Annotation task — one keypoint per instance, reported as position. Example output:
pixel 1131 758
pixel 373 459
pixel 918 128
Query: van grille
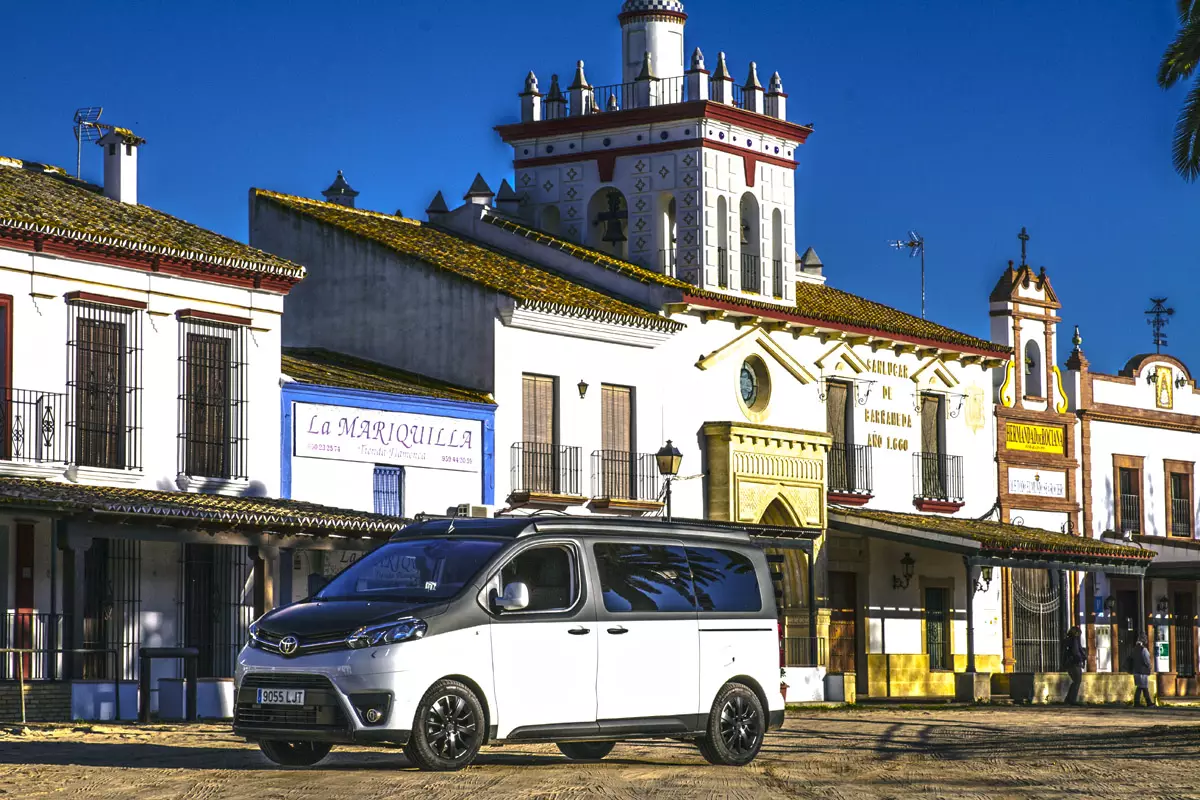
pixel 320 710
pixel 275 680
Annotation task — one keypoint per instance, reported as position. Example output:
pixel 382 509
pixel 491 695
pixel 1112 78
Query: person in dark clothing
pixel 1075 659
pixel 1141 672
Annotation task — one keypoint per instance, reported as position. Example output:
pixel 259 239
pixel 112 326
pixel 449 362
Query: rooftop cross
pixel 1024 237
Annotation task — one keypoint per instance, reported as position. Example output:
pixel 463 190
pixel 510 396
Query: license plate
pixel 281 697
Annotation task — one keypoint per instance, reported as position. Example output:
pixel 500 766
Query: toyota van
pixel 580 631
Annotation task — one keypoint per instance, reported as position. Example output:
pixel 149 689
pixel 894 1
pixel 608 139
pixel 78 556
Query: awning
pixel 212 512
pixel 997 544
pixel 1177 559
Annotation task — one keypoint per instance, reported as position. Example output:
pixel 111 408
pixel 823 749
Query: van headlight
pixel 253 631
pixel 388 633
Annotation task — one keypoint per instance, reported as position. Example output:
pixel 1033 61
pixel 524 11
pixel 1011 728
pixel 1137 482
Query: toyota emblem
pixel 288 645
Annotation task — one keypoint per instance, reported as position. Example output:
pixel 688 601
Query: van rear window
pixel 644 578
pixel 724 580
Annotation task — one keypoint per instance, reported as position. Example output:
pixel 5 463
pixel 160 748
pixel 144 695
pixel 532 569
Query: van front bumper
pixel 254 733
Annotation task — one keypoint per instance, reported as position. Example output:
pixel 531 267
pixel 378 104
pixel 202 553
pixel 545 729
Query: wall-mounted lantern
pixel 583 387
pixel 906 565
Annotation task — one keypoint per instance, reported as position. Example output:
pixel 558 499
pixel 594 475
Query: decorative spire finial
pixel 776 84
pixel 647 73
pixel 752 80
pixel 697 59
pixel 531 83
pixel 1077 340
pixel 722 72
pixel 580 81
pixel 1024 237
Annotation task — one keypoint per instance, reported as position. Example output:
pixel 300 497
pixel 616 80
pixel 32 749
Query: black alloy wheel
pixel 448 730
pixel 295 754
pixel 736 724
pixel 586 751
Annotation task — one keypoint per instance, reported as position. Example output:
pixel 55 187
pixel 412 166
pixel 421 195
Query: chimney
pixel 339 192
pixel 810 263
pixel 437 208
pixel 480 193
pixel 120 164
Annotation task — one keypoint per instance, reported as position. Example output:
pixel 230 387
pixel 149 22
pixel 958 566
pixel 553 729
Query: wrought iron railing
pixel 1181 517
pixel 624 96
pixel 804 651
pixel 722 268
pixel 619 475
pixel 1185 645
pixel 1130 506
pixel 542 468
pixel 937 476
pixel 850 469
pixel 41 636
pixel 777 278
pixel 739 96
pixel 751 273
pixel 33 426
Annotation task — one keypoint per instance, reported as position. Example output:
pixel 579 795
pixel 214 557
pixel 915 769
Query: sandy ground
pixel 870 753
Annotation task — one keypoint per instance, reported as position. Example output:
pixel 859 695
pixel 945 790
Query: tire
pixel 448 729
pixel 735 729
pixel 295 754
pixel 586 751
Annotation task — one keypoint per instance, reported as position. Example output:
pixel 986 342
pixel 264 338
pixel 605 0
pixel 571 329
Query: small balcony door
pixel 616 441
pixel 932 435
pixel 539 417
pixel 838 422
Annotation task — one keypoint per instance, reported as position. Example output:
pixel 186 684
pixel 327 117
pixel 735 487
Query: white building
pixel 140 415
pixel 782 393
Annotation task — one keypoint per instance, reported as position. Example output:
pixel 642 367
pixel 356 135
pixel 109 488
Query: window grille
pixel 112 591
pixel 104 354
pixel 212 400
pixel 215 604
pixel 389 491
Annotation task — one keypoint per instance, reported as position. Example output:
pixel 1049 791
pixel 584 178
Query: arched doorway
pixel 793 605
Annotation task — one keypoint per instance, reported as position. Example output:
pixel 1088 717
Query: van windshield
pixel 420 570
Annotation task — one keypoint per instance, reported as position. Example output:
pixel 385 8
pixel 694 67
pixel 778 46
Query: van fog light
pixel 372 707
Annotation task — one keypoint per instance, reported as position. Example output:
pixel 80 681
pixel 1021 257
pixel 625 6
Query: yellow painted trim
pixel 1061 406
pixel 764 341
pixel 842 351
pixel 1005 399
pixel 939 369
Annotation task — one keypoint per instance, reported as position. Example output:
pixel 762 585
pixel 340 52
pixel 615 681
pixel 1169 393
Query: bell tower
pixel 681 171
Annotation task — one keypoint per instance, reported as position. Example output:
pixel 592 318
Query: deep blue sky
pixel 962 120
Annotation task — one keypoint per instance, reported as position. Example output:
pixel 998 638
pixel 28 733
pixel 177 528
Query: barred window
pixel 389 491
pixel 212 399
pixel 104 346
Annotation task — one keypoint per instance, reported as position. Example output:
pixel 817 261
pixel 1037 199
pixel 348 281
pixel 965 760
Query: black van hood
pixel 340 617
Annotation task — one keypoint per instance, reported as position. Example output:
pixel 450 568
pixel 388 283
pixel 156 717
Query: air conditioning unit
pixel 471 511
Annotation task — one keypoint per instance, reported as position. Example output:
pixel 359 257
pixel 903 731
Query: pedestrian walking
pixel 1141 672
pixel 1075 658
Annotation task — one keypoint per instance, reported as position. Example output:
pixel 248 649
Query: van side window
pixel 724 580
pixel 549 572
pixel 639 577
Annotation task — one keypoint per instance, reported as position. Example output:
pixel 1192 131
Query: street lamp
pixel 669 458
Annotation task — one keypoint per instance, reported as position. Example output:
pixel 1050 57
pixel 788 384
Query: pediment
pixel 934 374
pixel 757 339
pixel 841 358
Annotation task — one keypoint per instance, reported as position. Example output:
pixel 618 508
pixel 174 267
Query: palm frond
pixel 1188 9
pixel 1182 55
pixel 1186 149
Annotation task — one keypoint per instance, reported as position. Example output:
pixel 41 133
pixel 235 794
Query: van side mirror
pixel 515 598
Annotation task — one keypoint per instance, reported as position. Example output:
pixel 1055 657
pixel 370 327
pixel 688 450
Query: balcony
pixel 777 279
pixel 722 268
pixel 33 427
pixel 1129 507
pixel 850 474
pixel 752 273
pixel 623 481
pixel 544 474
pixel 1181 517
pixel 937 482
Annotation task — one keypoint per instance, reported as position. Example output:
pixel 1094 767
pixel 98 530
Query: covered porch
pixel 937 606
pixel 89 575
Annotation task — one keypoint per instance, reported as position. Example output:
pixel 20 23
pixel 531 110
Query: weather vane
pixel 915 246
pixel 1159 316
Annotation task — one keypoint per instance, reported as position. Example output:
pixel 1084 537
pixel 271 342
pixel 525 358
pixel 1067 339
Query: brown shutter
pixel 537 401
pixel 616 441
pixel 835 411
pixel 930 419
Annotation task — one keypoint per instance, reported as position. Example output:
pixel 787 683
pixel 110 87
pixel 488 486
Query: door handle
pixel 579 631
pixel 618 631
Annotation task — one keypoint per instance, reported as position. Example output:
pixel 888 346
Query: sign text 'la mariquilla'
pixel 387 437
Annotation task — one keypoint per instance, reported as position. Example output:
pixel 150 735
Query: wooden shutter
pixel 537 402
pixel 835 411
pixel 931 417
pixel 616 441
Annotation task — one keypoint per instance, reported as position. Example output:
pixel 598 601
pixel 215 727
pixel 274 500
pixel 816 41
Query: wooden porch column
pixel 73 550
pixel 972 571
pixel 266 567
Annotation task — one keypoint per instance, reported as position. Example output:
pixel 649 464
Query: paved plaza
pixel 863 753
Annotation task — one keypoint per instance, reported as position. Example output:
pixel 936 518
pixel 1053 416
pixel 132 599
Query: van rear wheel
pixel 736 724
pixel 448 729
pixel 295 754
pixel 586 751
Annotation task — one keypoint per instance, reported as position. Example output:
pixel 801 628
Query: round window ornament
pixel 754 389
pixel 748 384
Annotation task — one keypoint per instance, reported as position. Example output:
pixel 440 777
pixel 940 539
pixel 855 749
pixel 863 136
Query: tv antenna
pixel 86 130
pixel 1159 316
pixel 915 246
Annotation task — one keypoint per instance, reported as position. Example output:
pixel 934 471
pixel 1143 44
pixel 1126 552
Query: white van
pixel 582 631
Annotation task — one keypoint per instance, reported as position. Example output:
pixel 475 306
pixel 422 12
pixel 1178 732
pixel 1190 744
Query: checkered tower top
pixel 636 6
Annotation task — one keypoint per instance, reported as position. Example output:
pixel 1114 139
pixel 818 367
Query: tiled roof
pixel 532 287
pixel 259 513
pixel 999 538
pixel 44 199
pixel 327 368
pixel 814 301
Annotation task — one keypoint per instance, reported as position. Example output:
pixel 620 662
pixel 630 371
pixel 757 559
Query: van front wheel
pixel 448 730
pixel 585 751
pixel 736 724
